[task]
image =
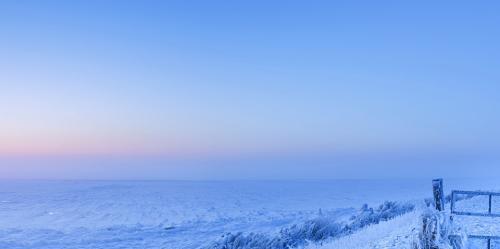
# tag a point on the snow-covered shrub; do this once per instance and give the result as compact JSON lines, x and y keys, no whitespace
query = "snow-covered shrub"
{"x":386,"y":211}
{"x":314,"y":230}
{"x":317,"y":229}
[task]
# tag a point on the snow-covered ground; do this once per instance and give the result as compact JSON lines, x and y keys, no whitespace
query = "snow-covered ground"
{"x":396,"y":233}
{"x":183,"y":214}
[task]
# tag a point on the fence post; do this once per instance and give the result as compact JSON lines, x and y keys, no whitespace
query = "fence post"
{"x":437,"y":190}
{"x":489,"y":204}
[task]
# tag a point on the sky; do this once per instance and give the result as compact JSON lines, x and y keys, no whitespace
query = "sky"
{"x":249,"y":89}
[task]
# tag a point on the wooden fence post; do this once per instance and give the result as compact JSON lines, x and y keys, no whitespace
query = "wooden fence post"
{"x":437,"y":190}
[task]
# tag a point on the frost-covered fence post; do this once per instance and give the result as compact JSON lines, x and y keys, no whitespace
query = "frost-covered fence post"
{"x":437,"y":190}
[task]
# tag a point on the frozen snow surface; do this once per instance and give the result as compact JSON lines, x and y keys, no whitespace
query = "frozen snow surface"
{"x":217,"y":214}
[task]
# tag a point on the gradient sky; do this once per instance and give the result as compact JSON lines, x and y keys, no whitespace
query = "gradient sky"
{"x":249,"y":89}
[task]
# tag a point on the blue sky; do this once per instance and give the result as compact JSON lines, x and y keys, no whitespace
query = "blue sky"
{"x":259,"y":89}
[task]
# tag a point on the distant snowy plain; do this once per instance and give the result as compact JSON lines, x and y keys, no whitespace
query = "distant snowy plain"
{"x":193,"y":214}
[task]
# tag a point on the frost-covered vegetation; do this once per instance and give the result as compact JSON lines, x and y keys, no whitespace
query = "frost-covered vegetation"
{"x":434,"y":231}
{"x":315,"y":230}
{"x":396,"y":233}
{"x":438,"y":231}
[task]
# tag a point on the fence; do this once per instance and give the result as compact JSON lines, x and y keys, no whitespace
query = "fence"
{"x":471,"y":194}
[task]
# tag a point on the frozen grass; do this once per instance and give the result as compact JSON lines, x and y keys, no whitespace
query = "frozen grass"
{"x":397,"y":233}
{"x":315,"y":230}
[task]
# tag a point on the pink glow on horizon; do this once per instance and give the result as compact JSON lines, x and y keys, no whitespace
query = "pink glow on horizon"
{"x":77,"y":145}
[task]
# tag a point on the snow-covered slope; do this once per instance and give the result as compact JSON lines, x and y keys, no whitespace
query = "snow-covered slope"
{"x":397,"y":233}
